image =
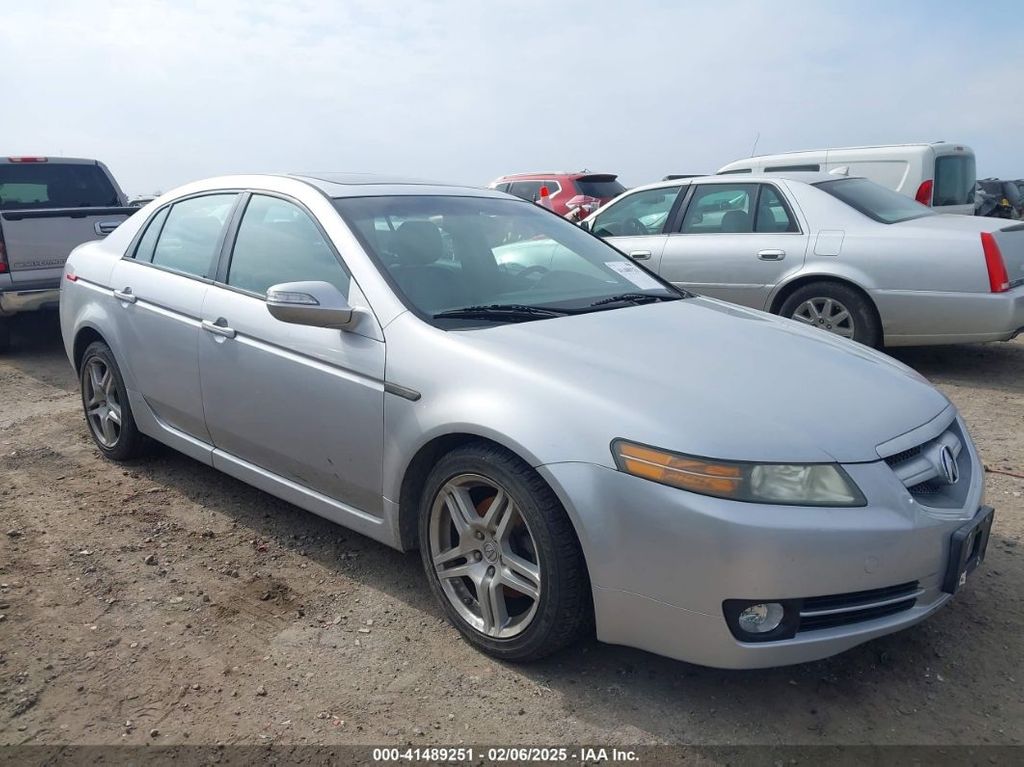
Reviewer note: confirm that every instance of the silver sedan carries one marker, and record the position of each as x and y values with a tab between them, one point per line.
842	254
570	441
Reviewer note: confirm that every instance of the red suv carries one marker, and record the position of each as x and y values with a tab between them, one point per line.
566	191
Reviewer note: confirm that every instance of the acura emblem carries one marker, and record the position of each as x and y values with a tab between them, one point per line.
947	465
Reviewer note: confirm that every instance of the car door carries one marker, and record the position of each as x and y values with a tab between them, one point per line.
636	223
304	403
160	286
734	241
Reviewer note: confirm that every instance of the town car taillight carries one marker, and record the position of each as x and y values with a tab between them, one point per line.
998	278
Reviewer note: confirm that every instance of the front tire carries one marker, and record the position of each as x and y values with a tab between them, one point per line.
834	308
105	401
501	555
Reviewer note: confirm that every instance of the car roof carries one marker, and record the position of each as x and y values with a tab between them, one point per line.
373	185
805	177
548	173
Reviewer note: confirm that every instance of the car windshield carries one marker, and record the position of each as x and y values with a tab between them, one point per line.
874	201
27	186
498	260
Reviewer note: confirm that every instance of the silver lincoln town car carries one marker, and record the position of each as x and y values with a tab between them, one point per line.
570	441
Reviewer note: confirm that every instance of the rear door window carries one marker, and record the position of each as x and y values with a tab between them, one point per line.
773	216
278	242
528	190
955	177
720	209
36	185
191	235
146	246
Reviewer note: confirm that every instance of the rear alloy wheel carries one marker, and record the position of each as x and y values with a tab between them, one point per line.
501	555
105	401
834	308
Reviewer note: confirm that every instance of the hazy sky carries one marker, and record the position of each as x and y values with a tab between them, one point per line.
465	91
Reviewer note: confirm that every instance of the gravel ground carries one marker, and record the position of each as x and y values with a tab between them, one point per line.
168	603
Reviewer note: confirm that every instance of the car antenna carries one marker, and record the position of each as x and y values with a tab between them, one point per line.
754	148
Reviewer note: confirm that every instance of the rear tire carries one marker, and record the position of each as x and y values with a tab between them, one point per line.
835	308
105	401
501	555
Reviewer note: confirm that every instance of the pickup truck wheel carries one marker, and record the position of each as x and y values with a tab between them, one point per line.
105	400
834	308
501	555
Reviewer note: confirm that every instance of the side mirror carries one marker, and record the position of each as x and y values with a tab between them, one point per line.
316	304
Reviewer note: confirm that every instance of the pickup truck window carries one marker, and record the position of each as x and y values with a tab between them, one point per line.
32	186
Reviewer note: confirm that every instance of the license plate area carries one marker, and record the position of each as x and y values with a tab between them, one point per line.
967	547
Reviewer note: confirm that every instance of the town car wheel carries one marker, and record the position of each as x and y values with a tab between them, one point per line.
834	308
501	554
105	400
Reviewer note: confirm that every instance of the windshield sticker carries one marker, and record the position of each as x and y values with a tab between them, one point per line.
634	274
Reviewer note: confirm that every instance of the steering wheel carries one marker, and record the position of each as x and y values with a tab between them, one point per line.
633	227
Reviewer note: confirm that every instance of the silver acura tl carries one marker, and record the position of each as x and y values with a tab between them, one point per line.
571	446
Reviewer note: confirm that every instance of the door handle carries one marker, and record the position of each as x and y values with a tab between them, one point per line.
219	328
126	295
105	227
771	255
640	255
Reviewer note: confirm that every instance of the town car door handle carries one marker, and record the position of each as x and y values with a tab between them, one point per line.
219	328
771	255
640	255
126	295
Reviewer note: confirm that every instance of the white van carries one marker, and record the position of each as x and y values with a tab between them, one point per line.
938	174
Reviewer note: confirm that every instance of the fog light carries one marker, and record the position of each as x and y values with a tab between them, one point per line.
761	618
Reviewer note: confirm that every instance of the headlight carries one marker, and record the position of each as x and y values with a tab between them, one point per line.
814	484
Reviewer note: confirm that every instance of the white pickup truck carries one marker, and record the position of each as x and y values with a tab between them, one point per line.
48	206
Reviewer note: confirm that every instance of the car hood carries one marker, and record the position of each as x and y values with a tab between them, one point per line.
708	378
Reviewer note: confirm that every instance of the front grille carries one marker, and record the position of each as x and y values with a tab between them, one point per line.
920	469
844	609
906	455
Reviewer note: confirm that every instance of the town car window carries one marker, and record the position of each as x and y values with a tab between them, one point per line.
720	209
278	242
146	246
640	213
772	214
191	234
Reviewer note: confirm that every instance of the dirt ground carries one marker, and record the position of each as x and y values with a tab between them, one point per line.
168	603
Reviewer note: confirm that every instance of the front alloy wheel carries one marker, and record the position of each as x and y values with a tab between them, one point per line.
501	555
485	556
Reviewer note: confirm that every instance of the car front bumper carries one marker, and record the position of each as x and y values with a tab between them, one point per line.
663	561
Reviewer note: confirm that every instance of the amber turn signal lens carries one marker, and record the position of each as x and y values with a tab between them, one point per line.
704	477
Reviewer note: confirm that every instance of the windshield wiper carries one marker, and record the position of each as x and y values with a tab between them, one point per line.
502	311
635	298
